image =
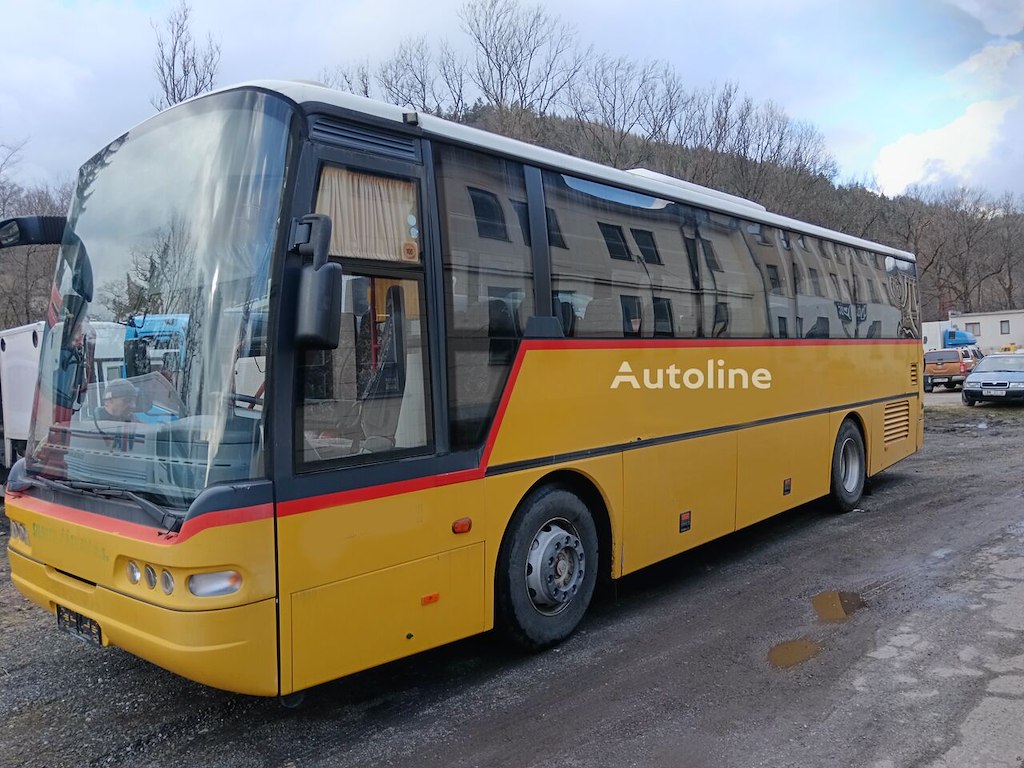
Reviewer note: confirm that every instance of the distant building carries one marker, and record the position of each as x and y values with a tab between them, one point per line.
994	331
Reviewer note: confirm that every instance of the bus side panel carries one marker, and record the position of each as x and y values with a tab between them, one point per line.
781	466
358	577
678	496
371	619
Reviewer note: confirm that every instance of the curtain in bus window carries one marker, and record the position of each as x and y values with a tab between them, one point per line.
373	217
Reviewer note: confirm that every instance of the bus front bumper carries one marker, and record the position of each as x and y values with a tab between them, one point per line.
234	649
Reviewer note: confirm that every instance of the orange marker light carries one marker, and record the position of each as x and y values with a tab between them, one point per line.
462	525
432	598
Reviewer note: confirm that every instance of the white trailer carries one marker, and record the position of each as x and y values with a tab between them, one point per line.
19	369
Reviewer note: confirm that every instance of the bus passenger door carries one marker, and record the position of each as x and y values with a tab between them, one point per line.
370	566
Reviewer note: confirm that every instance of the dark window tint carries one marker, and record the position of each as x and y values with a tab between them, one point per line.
632	315
645	242
815	281
663	317
523	214
942	356
710	256
615	240
488	285
490	219
555	238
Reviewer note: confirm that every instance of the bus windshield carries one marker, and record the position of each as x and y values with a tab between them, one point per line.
151	371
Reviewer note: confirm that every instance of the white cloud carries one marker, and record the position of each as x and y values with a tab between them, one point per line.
943	155
989	70
999	17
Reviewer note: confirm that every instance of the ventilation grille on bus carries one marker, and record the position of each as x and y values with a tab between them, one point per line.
913	375
897	421
354	137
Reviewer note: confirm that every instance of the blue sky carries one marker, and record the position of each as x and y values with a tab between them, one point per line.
905	91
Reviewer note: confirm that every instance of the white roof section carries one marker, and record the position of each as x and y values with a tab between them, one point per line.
649	182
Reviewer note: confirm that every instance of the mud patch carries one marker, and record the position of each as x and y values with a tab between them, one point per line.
833	607
793	652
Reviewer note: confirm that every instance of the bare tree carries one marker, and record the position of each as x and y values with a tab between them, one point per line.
10	191
523	61
1007	251
618	110
182	69
413	76
355	78
28	270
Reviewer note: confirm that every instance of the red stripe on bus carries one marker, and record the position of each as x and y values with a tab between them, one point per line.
224	517
313	503
136	530
636	344
499	415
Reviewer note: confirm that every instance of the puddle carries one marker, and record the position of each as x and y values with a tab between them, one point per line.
793	652
836	606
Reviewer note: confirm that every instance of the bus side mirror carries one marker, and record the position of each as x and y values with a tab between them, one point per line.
318	315
32	230
49	230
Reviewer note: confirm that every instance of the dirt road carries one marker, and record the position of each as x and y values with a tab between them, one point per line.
890	636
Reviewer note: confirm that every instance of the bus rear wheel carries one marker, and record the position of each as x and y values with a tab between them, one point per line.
849	467
547	568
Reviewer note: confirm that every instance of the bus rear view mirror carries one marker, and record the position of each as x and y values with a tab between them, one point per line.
318	314
49	230
32	230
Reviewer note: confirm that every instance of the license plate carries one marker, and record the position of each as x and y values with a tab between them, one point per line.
993	392
80	626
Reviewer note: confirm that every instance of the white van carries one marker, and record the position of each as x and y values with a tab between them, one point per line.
19	369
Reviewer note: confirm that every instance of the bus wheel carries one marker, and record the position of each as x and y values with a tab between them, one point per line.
849	468
547	568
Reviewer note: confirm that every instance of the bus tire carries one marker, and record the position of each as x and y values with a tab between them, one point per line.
849	467
546	570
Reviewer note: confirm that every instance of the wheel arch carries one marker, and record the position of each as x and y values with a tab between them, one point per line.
857	419
590	494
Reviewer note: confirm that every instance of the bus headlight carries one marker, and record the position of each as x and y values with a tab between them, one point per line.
214	584
134	574
150	577
166	582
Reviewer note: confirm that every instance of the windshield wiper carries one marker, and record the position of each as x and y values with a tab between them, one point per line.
165	518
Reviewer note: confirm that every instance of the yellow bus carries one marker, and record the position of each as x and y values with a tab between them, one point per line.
427	381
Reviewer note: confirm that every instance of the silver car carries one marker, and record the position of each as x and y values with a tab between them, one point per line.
995	378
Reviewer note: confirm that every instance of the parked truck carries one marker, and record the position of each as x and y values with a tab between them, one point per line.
19	369
954	337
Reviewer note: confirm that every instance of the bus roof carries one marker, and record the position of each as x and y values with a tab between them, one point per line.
313	97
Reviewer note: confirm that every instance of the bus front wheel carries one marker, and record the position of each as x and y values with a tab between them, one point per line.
547	568
849	467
